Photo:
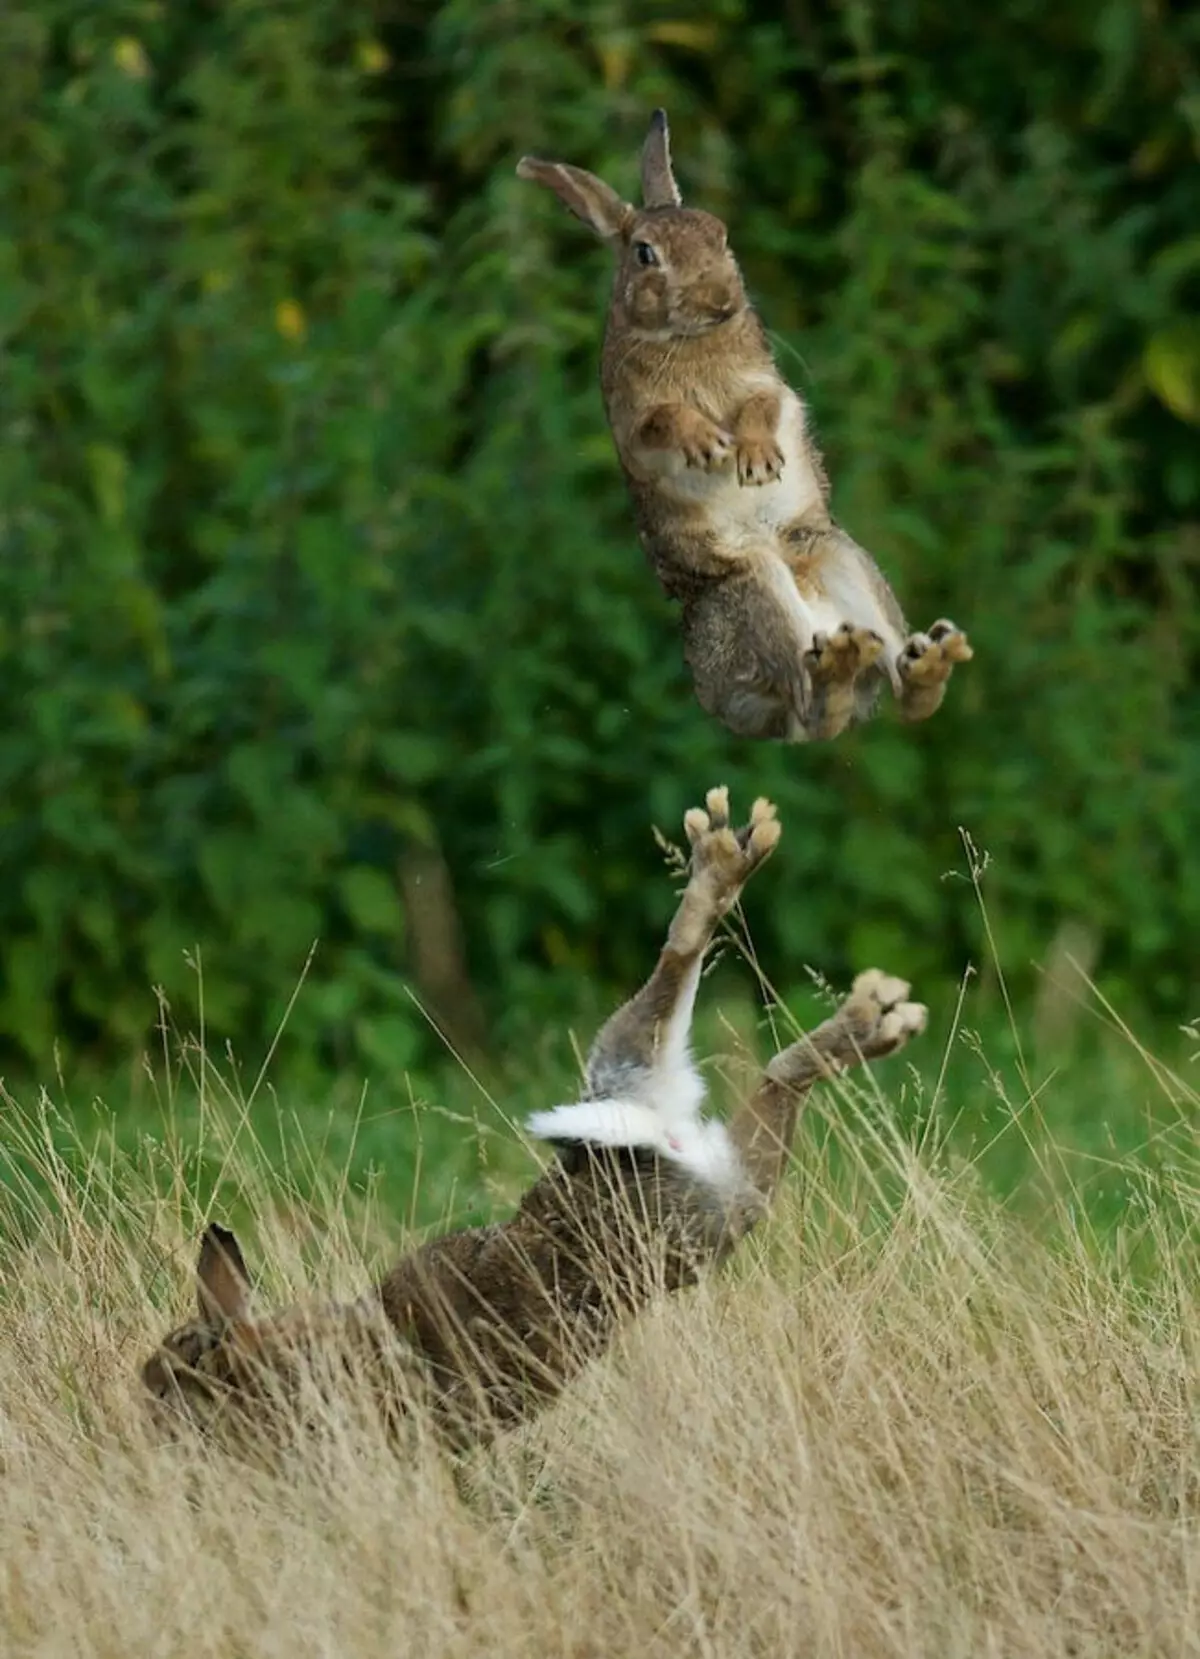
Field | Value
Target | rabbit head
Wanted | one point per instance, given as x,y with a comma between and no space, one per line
197,1364
675,275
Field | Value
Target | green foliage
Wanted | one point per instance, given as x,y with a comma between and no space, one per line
313,549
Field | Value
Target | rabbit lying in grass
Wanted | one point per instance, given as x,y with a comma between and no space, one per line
789,627
486,1323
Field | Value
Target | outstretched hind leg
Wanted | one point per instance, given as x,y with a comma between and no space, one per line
648,1037
641,1056
877,1019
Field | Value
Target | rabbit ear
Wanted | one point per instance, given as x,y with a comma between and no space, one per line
658,181
588,197
222,1282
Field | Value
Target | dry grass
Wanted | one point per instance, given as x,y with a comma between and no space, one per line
908,1423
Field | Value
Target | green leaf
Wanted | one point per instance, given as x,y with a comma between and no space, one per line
1172,366
410,757
371,900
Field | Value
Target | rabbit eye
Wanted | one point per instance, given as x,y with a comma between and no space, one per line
644,254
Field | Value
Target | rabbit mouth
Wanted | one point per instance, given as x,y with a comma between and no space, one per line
690,324
708,321
706,309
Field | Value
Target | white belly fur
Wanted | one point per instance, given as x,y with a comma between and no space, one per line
739,514
843,597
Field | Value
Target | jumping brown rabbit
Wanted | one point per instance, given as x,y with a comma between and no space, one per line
789,627
486,1324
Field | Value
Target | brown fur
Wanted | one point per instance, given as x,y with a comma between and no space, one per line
486,1323
789,627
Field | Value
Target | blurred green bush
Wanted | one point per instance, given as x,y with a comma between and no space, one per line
321,612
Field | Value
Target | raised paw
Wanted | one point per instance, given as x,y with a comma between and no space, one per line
724,858
839,658
705,445
759,460
924,666
878,1017
929,659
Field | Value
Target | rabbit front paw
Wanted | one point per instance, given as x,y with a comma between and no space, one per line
759,461
705,445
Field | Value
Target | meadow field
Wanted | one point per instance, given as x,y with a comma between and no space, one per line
339,700
945,1403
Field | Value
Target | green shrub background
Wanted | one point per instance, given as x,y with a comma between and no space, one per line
321,611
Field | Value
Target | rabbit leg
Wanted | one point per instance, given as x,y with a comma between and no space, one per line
876,1020
644,1045
918,665
738,684
744,640
674,435
834,663
926,664
757,453
639,1079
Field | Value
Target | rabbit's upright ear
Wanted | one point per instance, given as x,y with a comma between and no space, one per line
588,197
658,181
222,1282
